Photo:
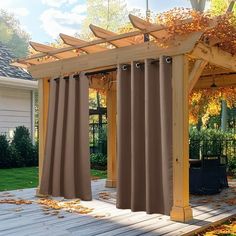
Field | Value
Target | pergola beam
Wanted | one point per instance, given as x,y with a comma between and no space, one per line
215,56
110,58
196,72
227,80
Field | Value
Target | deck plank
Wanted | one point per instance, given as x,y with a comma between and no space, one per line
106,219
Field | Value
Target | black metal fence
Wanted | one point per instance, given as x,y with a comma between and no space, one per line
98,138
199,148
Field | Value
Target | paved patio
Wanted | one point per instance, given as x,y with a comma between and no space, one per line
105,219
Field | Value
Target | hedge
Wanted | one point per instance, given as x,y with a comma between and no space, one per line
20,152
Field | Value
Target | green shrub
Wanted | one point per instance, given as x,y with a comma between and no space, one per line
16,159
208,142
232,166
98,161
5,152
23,148
36,154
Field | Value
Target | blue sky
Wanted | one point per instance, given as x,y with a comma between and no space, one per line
45,19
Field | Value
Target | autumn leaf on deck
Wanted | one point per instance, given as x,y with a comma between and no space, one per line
15,201
70,206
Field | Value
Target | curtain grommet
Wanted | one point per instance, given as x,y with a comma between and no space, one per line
124,67
168,60
77,76
138,65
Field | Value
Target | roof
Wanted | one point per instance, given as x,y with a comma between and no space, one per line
7,70
17,83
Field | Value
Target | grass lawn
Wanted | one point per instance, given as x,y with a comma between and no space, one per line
18,178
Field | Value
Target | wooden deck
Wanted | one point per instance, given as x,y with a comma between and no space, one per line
105,219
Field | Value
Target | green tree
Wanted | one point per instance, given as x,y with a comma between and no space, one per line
108,14
12,35
217,6
220,6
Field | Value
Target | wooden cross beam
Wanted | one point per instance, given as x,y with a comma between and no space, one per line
200,64
196,72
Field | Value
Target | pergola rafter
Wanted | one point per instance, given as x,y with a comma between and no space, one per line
119,40
72,41
106,34
143,25
47,49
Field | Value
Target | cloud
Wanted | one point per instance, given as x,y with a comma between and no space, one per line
55,21
79,9
134,4
10,7
21,11
58,3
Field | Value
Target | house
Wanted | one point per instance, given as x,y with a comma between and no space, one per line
17,95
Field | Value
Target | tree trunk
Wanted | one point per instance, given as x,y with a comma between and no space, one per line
224,116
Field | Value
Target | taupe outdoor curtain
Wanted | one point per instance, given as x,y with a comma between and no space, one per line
66,170
144,96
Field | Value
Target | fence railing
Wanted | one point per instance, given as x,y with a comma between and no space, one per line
199,148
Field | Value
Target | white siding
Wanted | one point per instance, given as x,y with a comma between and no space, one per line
15,109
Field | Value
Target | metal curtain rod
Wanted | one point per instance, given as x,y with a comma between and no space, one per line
168,60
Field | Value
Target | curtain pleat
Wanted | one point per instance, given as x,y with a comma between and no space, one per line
123,137
137,138
66,170
144,148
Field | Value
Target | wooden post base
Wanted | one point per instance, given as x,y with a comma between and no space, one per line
181,214
110,183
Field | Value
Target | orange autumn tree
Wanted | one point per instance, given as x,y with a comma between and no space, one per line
204,103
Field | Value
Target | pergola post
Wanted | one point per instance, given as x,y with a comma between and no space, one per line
111,138
43,86
181,210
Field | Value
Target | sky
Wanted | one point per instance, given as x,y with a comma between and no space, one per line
45,19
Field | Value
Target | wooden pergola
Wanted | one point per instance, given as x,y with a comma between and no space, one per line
196,63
